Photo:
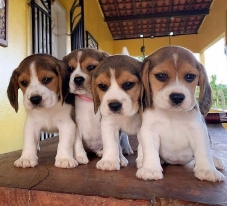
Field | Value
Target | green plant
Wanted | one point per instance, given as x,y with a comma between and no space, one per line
219,94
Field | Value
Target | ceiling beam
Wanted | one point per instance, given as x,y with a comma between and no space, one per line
169,19
186,18
118,13
136,25
158,15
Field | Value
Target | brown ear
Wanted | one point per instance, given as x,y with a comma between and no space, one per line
63,76
12,90
141,100
146,98
95,95
205,97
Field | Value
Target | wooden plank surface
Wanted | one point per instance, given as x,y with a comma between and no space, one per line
179,186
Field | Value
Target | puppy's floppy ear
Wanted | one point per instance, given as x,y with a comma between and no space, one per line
63,75
142,100
12,90
95,94
205,97
146,98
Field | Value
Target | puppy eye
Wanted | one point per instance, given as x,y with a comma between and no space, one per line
70,69
47,80
103,87
189,77
24,83
161,77
128,85
90,67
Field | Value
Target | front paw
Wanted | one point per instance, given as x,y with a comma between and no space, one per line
123,161
26,162
82,159
99,153
149,174
212,175
65,162
108,165
127,150
218,163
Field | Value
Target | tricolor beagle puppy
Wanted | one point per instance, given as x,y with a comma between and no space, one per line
173,127
44,82
116,89
81,63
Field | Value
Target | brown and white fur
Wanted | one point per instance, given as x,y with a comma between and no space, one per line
81,63
116,89
44,83
173,128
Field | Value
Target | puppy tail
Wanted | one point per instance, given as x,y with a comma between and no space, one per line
125,51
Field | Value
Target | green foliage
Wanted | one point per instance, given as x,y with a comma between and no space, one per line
219,94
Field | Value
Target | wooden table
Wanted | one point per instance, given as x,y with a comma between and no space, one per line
86,185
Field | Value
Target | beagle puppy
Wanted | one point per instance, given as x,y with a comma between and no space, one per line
81,63
173,128
44,82
116,89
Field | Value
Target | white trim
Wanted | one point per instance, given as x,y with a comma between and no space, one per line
61,28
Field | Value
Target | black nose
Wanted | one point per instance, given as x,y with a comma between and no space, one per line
177,98
115,106
36,99
79,80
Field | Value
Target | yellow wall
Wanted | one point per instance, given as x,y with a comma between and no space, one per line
94,23
214,25
188,41
11,123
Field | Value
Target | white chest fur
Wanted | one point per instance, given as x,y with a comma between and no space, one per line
88,125
176,131
49,119
127,124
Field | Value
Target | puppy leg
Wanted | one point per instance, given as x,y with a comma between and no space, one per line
125,145
150,142
79,151
99,153
64,157
204,164
29,154
218,163
110,137
139,159
123,160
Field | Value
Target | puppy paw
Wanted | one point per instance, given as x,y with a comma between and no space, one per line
127,150
149,174
66,163
139,162
218,163
108,165
123,161
99,153
82,159
26,162
212,175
